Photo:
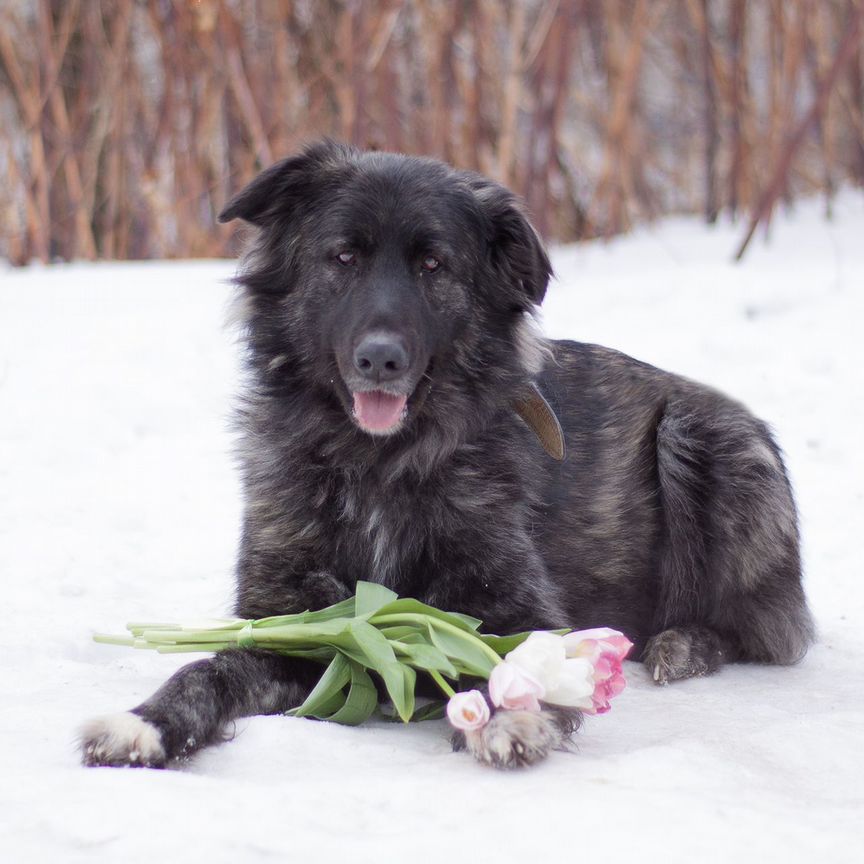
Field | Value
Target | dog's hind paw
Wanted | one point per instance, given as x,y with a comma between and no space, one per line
514,739
121,740
684,652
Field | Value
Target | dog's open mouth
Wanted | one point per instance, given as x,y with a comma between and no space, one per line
379,412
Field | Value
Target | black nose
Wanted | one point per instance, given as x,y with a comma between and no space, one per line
381,357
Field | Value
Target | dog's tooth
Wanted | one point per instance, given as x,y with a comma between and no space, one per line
656,671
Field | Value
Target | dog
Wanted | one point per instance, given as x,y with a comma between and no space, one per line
406,423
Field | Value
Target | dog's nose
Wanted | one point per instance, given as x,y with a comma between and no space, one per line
381,357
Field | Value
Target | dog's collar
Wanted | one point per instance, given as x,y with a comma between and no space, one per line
541,419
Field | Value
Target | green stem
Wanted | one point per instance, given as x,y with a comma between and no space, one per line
438,678
189,648
106,639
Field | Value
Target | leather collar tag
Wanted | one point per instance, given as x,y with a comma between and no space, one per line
541,419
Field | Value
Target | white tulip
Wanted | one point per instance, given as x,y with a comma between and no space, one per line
541,655
575,685
468,710
566,682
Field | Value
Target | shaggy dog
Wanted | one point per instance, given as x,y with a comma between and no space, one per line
390,433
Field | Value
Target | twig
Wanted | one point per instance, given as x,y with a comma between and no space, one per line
846,52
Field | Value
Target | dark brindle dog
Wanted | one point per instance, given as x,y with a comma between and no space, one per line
387,309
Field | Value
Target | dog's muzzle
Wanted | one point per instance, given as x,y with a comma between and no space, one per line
378,383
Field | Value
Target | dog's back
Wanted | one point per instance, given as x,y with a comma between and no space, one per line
672,509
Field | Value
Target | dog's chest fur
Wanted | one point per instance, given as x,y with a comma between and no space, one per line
364,509
378,532
400,528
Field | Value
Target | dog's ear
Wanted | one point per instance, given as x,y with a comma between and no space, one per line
277,190
516,247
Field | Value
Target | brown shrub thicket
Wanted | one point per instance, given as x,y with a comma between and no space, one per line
126,124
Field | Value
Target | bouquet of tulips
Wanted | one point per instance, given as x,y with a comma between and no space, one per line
398,638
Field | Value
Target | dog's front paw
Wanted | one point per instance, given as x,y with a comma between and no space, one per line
513,739
121,740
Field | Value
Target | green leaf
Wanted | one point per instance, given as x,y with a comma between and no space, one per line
505,644
469,621
408,605
335,677
462,649
403,700
361,701
326,708
371,597
347,645
373,644
381,657
406,633
425,656
342,609
430,711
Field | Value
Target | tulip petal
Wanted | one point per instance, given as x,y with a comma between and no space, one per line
586,643
513,688
575,685
468,710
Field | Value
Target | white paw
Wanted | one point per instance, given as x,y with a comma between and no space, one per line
512,739
121,739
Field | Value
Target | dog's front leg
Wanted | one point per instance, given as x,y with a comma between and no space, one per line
194,707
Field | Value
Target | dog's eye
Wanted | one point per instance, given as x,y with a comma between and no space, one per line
431,263
347,258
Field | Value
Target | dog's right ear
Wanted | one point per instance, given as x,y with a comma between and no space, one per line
516,246
277,190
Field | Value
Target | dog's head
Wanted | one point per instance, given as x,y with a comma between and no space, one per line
385,278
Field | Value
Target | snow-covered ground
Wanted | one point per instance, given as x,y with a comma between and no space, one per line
118,501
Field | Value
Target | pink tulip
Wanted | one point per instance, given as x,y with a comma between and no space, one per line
604,690
513,688
468,710
605,649
590,643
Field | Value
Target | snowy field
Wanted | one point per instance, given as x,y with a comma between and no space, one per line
118,501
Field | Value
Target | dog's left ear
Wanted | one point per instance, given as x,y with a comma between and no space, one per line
516,247
283,187
256,202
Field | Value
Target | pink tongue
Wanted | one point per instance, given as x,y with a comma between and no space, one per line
376,411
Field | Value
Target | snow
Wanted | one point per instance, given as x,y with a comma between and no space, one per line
118,501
